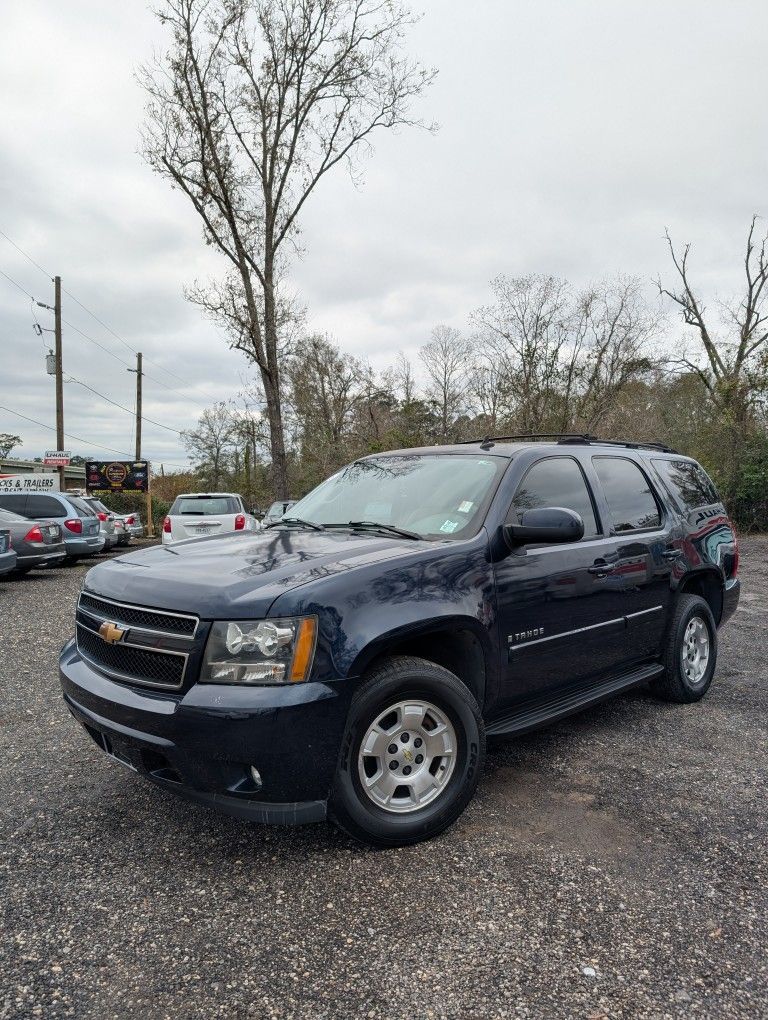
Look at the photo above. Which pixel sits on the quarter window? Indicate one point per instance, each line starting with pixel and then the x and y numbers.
pixel 628 493
pixel 556 481
pixel 688 482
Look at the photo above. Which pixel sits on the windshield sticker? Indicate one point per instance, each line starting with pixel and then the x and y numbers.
pixel 465 507
pixel 450 526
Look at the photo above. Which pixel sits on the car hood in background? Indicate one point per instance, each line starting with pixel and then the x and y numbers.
pixel 237 576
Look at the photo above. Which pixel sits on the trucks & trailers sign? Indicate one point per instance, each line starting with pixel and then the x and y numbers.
pixel 117 476
pixel 36 482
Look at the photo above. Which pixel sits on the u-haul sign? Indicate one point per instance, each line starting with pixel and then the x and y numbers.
pixel 29 483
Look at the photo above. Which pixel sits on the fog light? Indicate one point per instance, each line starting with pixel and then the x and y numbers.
pixel 256 777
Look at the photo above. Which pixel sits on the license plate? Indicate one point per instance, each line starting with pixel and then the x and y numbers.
pixel 53 532
pixel 203 531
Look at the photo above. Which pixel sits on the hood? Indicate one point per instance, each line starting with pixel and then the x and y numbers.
pixel 237 576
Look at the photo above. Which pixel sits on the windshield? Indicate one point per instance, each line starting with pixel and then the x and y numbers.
pixel 204 505
pixel 438 496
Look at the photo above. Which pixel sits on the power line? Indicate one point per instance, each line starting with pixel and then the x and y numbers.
pixel 18 285
pixel 52 428
pixel 105 326
pixel 126 409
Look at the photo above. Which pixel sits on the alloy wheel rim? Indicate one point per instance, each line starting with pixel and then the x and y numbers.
pixel 407 756
pixel 696 650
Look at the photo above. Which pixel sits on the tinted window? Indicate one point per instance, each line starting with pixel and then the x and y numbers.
pixel 556 481
pixel 628 493
pixel 199 506
pixel 688 482
pixel 43 506
pixel 82 508
pixel 13 502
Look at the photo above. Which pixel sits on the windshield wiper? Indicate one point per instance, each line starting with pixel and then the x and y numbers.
pixel 387 529
pixel 296 520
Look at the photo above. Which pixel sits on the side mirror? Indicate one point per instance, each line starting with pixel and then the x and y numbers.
pixel 546 524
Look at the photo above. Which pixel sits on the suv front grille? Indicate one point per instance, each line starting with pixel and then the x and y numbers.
pixel 122 662
pixel 132 644
pixel 136 616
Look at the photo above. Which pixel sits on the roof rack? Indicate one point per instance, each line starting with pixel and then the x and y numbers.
pixel 575 438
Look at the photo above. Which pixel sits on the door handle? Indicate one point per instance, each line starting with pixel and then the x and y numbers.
pixel 601 569
pixel 671 554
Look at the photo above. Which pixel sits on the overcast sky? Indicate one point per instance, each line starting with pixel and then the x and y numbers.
pixel 572 132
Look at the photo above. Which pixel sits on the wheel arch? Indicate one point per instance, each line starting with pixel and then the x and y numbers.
pixel 459 644
pixel 709 585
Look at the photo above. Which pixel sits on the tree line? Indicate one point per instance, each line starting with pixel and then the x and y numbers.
pixel 540 357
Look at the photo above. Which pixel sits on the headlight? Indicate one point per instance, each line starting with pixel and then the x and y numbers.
pixel 259 651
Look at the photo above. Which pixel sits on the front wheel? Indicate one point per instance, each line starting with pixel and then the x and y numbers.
pixel 411 756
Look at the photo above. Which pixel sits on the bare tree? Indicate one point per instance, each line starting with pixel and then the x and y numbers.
pixel 735 363
pixel 210 445
pixel 446 359
pixel 734 371
pixel 254 102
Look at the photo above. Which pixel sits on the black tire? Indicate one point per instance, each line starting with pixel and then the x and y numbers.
pixel 675 684
pixel 401 678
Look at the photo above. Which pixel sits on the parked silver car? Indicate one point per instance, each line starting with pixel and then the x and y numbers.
pixel 78 521
pixel 7 555
pixel 36 543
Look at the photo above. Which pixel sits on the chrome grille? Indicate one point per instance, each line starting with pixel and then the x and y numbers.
pixel 137 616
pixel 152 651
pixel 123 662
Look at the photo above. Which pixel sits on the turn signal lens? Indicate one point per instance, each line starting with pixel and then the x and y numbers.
pixel 305 648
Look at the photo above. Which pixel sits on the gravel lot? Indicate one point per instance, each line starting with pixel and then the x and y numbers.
pixel 611 866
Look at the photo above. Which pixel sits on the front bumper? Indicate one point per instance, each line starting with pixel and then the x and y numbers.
pixel 201 744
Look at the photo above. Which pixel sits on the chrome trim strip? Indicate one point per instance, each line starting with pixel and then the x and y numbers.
pixel 642 612
pixel 580 630
pixel 565 633
pixel 141 609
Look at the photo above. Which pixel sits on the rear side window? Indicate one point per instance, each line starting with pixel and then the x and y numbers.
pixel 200 506
pixel 43 506
pixel 628 493
pixel 82 508
pixel 556 481
pixel 17 502
pixel 688 482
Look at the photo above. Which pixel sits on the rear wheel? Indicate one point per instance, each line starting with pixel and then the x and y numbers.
pixel 411 756
pixel 691 652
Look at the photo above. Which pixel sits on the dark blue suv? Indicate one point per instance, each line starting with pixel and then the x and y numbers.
pixel 351 659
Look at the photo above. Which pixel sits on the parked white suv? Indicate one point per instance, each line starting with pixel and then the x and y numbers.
pixel 200 514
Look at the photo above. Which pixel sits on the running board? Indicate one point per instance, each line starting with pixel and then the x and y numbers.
pixel 531 715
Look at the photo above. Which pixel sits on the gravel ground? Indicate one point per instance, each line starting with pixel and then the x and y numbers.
pixel 611 866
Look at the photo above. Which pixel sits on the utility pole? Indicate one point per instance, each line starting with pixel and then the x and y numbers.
pixel 139 374
pixel 59 377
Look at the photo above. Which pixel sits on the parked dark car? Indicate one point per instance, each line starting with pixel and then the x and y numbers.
pixel 351 660
pixel 7 554
pixel 79 523
pixel 36 543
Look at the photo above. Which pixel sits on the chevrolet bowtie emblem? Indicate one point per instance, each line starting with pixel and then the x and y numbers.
pixel 408 755
pixel 110 632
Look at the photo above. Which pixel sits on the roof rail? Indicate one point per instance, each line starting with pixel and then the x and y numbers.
pixel 575 438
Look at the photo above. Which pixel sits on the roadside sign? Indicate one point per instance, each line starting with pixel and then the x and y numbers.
pixel 57 458
pixel 117 476
pixel 39 482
